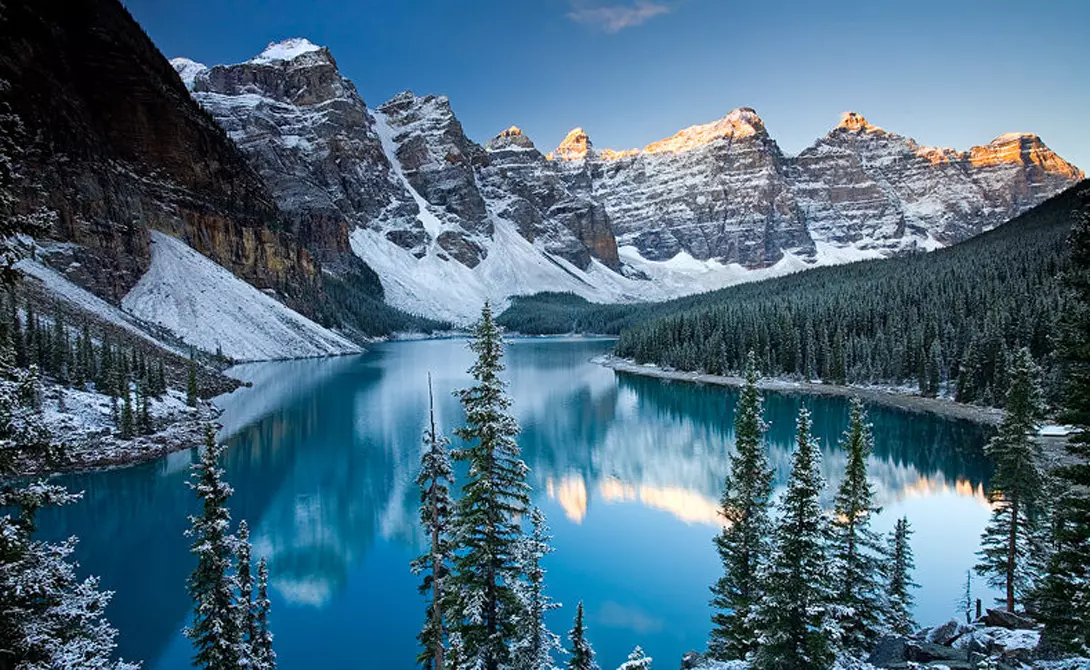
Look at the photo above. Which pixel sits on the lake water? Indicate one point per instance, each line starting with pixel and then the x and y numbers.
pixel 323 454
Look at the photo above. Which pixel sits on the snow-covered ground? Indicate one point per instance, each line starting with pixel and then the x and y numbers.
pixel 210 308
pixel 84 422
pixel 63 289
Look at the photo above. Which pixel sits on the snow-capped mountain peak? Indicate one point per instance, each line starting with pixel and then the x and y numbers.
pixel 739 123
pixel 285 50
pixel 511 139
pixel 188 70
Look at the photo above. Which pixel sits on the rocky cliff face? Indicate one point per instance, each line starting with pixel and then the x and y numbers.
pixel 308 133
pixel 447 223
pixel 717 191
pixel 117 148
pixel 865 187
pixel 724 191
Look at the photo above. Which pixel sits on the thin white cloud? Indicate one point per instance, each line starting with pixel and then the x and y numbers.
pixel 615 18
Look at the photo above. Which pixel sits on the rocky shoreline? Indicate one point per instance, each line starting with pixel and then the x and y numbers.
pixel 888 397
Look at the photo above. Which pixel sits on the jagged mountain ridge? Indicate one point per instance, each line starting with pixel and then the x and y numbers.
pixel 447 223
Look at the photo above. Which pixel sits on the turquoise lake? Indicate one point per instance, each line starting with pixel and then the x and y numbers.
pixel 323 454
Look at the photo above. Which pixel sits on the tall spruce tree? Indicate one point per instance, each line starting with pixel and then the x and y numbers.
pixel 582 654
pixel 899 587
pixel 214 631
pixel 793 616
pixel 263 655
pixel 856 549
pixel 1064 599
pixel 245 611
pixel 436 508
pixel 743 542
pixel 493 498
pixel 1011 535
pixel 533 648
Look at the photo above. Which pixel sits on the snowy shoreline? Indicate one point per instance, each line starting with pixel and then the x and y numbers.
pixel 888 397
pixel 86 429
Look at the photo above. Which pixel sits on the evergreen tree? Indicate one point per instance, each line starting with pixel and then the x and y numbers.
pixel 1009 540
pixel 214 631
pixel 856 549
pixel 742 544
pixel 494 496
pixel 144 415
pixel 637 660
pixel 264 658
pixel 899 589
pixel 191 382
pixel 1064 600
pixel 245 610
pixel 793 615
pixel 533 649
pixel 582 655
pixel 49 618
pixel 126 424
pixel 436 507
pixel 59 354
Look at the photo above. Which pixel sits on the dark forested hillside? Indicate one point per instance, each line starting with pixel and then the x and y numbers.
pixel 944 318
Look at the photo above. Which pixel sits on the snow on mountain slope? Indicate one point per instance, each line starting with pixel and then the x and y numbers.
pixel 208 307
pixel 56 284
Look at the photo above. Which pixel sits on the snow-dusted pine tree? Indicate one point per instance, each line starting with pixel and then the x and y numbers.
pixel 436 508
pixel 215 632
pixel 797 632
pixel 637 660
pixel 1010 537
pixel 245 611
pixel 743 542
pixel 264 658
pixel 582 654
pixel 49 619
pixel 899 599
pixel 534 646
pixel 856 549
pixel 487 515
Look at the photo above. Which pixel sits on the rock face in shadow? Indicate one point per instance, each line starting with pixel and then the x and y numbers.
pixel 116 146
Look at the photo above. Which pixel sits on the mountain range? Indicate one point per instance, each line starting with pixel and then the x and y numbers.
pixel 447 222
pixel 277 171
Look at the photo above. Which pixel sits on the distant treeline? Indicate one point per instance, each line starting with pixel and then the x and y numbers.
pixel 948 318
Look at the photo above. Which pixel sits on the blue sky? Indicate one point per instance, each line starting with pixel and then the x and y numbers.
pixel 949 73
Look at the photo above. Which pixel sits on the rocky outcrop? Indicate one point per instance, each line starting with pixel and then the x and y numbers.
pixel 117 147
pixel 440 164
pixel 528 191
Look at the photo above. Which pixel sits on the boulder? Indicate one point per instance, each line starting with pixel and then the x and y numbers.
pixel 889 651
pixel 925 652
pixel 947 633
pixel 1005 619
